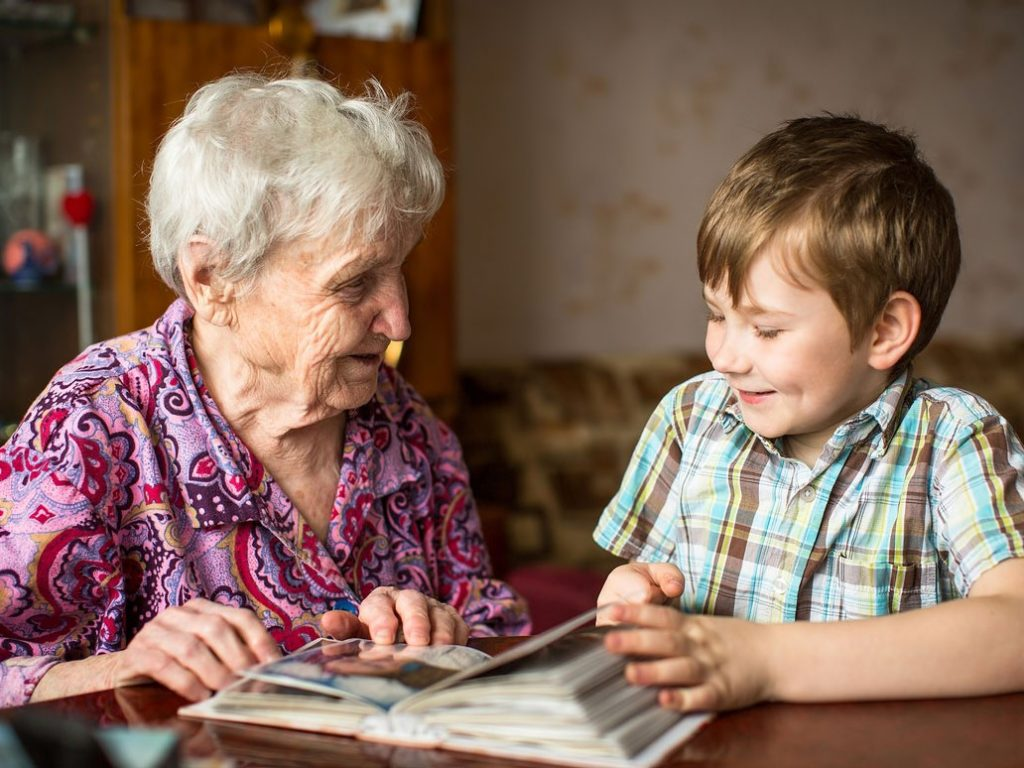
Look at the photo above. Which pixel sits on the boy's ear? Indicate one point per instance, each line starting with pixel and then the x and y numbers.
pixel 894 331
pixel 212 297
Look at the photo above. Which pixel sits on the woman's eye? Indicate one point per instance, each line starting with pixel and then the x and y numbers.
pixel 766 333
pixel 713 318
pixel 353 287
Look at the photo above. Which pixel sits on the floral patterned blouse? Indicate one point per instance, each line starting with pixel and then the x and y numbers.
pixel 124 491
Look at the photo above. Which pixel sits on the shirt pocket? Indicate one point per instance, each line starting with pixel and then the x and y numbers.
pixel 877 588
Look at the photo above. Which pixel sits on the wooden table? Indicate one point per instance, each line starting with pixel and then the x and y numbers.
pixel 986 732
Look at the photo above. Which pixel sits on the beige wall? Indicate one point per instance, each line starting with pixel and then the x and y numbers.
pixel 591 132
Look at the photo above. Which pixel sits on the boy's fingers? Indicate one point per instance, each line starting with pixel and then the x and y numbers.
pixel 651 643
pixel 673 671
pixel 668 578
pixel 699 698
pixel 648 615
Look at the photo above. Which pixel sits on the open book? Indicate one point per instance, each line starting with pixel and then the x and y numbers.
pixel 559 697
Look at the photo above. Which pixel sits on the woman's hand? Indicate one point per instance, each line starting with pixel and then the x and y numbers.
pixel 193 649
pixel 391 615
pixel 639 583
pixel 699 662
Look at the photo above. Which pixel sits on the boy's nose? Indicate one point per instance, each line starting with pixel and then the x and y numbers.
pixel 727 356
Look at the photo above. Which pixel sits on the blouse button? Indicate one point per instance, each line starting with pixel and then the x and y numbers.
pixel 780 587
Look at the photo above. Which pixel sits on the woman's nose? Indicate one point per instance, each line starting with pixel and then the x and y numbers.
pixel 392 318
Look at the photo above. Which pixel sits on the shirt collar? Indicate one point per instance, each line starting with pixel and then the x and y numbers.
pixel 879 420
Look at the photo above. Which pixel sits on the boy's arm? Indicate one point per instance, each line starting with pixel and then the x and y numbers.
pixel 960 648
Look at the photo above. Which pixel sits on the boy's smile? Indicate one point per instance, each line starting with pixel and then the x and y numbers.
pixel 785 350
pixel 753 398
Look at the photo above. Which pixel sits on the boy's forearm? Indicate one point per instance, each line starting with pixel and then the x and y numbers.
pixel 960 648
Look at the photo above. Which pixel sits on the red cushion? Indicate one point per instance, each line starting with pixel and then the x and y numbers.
pixel 555 593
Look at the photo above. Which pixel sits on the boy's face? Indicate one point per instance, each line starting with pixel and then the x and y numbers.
pixel 785 351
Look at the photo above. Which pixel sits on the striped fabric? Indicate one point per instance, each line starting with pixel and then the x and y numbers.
pixel 910 502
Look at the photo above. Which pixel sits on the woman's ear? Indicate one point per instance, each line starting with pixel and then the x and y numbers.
pixel 212 297
pixel 894 331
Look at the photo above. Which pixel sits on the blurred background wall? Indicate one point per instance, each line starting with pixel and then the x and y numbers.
pixel 590 134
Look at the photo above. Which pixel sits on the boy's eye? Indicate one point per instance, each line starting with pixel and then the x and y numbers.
pixel 766 333
pixel 714 318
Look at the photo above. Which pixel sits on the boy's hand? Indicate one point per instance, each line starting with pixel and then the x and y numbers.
pixel 700 662
pixel 640 583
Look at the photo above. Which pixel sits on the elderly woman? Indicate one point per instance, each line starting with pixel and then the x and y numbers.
pixel 190 499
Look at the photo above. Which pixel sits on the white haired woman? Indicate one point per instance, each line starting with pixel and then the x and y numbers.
pixel 195 497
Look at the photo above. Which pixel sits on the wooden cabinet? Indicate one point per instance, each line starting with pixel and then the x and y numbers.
pixel 158 64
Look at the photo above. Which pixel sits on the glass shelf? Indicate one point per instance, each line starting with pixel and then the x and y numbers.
pixel 44 286
pixel 24 25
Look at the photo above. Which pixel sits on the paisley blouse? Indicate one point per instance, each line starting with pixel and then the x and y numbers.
pixel 124 491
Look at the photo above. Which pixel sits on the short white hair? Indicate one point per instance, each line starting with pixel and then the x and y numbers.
pixel 256 162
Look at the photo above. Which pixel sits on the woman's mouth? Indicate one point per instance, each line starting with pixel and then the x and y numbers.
pixel 370 359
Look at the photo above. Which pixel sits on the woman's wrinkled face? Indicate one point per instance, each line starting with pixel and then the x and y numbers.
pixel 317 322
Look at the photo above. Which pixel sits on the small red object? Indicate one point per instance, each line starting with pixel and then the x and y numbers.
pixel 78 207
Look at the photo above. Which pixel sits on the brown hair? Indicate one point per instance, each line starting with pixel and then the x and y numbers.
pixel 865 212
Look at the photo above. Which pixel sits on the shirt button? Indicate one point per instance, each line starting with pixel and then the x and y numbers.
pixel 780 587
pixel 808 493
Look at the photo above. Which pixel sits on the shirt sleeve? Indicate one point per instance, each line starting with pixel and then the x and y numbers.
pixel 489 606
pixel 639 522
pixel 979 490
pixel 61 595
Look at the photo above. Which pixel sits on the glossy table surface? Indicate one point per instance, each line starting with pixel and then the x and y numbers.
pixel 965 733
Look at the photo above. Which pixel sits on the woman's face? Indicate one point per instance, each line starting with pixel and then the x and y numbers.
pixel 316 324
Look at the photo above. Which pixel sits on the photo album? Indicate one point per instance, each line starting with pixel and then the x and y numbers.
pixel 558 697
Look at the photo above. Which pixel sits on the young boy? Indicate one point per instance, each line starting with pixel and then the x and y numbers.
pixel 810 478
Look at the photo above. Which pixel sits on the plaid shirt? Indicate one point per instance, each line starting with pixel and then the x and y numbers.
pixel 911 500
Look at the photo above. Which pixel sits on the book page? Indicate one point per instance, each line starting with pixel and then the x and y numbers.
pixel 379 675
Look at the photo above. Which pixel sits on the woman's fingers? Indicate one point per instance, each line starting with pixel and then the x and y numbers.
pixel 171 660
pixel 197 632
pixel 414 612
pixel 377 612
pixel 249 629
pixel 197 648
pixel 189 651
pixel 447 627
pixel 171 674
pixel 393 615
pixel 342 625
